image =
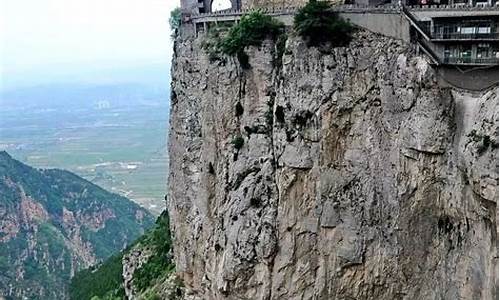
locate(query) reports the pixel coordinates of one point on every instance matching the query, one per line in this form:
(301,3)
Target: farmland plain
(114,136)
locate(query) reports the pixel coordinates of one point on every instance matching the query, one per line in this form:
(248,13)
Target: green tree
(318,24)
(175,21)
(252,29)
(103,282)
(238,142)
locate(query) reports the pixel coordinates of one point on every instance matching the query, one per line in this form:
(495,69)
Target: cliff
(344,173)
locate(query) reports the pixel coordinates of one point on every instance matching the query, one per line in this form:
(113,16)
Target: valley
(113,136)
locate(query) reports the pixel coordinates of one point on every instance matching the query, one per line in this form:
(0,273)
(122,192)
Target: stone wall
(389,24)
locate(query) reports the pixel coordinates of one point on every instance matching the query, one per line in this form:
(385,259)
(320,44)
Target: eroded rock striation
(344,173)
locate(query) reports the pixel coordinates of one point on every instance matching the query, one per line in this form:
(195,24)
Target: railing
(239,12)
(458,6)
(460,36)
(293,9)
(350,8)
(470,60)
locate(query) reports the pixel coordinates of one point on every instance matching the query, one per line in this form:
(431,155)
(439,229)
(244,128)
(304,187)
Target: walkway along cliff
(342,173)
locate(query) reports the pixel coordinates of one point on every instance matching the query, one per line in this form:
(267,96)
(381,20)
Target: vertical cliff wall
(337,174)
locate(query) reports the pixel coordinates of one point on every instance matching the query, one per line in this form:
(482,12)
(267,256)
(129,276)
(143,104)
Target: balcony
(469,61)
(456,36)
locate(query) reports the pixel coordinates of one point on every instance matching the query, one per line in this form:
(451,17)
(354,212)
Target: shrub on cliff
(252,29)
(238,142)
(212,44)
(318,24)
(175,21)
(159,264)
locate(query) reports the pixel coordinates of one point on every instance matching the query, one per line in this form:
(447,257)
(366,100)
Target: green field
(119,147)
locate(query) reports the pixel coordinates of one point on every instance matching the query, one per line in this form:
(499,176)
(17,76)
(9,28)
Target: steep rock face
(132,261)
(358,177)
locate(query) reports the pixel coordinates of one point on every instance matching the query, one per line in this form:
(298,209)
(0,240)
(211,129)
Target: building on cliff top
(460,37)
(455,32)
(207,6)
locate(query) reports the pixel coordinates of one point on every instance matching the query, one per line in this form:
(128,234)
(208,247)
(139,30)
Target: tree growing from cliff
(252,29)
(175,21)
(318,24)
(238,142)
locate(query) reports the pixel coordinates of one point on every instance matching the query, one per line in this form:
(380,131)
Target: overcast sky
(65,38)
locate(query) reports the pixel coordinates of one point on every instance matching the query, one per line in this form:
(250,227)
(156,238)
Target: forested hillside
(54,223)
(142,271)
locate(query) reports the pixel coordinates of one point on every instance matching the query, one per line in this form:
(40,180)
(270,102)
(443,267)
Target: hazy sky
(60,39)
(221,4)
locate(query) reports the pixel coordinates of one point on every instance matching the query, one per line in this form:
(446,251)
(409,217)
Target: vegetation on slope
(238,142)
(106,283)
(54,222)
(159,263)
(212,44)
(102,282)
(318,24)
(252,29)
(175,21)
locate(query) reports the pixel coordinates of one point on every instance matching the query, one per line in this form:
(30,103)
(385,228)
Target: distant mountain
(54,223)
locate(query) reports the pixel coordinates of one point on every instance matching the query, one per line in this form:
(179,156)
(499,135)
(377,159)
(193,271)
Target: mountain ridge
(54,223)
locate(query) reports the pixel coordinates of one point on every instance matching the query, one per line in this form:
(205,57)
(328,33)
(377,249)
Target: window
(467,30)
(483,30)
(450,52)
(483,51)
(466,54)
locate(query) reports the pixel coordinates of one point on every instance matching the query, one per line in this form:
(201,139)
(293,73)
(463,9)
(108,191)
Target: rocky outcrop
(147,268)
(132,261)
(345,173)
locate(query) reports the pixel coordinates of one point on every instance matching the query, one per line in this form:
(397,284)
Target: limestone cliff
(343,173)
